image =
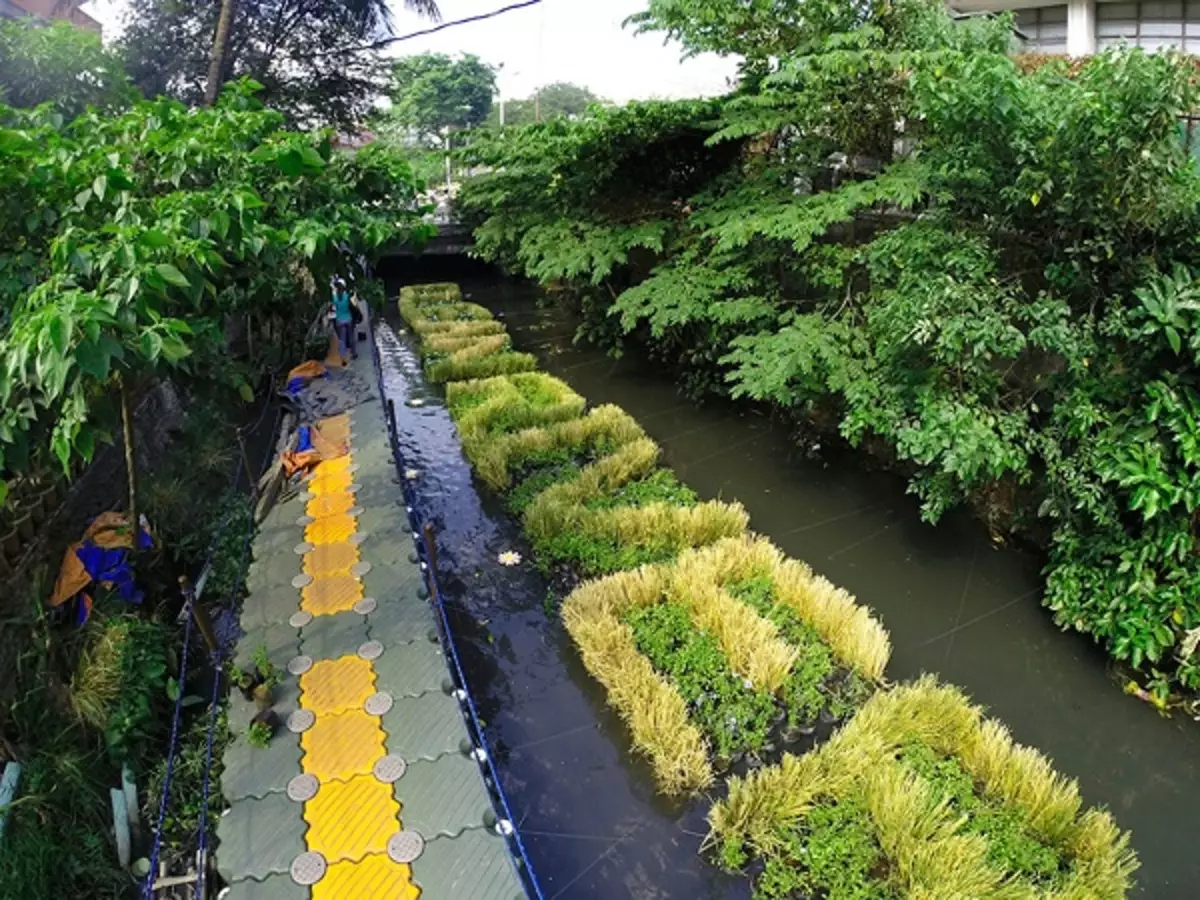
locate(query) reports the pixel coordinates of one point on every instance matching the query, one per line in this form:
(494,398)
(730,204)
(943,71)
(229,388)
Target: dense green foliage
(733,715)
(841,855)
(897,235)
(433,93)
(816,681)
(1013,846)
(558,100)
(59,63)
(126,243)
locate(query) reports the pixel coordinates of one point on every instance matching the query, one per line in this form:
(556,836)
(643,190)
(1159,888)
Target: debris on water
(509,558)
(412,474)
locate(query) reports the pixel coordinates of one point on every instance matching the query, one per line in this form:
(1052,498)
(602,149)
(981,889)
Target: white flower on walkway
(509,558)
(412,474)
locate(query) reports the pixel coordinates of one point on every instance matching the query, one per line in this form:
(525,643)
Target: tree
(432,93)
(561,99)
(59,63)
(302,52)
(139,235)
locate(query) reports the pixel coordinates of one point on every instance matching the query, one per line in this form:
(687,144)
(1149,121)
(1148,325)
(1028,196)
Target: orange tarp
(328,442)
(110,530)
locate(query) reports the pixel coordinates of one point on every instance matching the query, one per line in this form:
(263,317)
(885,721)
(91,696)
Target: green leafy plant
(268,672)
(258,735)
(735,717)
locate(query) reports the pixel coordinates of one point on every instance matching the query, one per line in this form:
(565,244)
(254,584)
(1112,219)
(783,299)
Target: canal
(954,604)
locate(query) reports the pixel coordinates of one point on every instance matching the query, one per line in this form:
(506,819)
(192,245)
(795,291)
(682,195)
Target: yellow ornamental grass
(509,403)
(921,836)
(440,292)
(604,423)
(750,643)
(653,710)
(850,630)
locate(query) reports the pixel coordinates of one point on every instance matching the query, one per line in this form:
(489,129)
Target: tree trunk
(130,460)
(220,50)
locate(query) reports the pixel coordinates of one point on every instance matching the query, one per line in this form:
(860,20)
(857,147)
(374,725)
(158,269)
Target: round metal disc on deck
(303,788)
(305,521)
(390,769)
(371,650)
(302,581)
(300,619)
(378,704)
(359,569)
(305,496)
(308,868)
(366,606)
(357,538)
(405,847)
(298,665)
(302,548)
(355,511)
(301,720)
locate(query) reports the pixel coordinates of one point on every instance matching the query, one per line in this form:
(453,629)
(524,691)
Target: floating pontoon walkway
(369,789)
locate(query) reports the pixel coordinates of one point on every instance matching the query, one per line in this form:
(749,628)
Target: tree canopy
(983,270)
(60,63)
(432,92)
(295,48)
(126,241)
(561,99)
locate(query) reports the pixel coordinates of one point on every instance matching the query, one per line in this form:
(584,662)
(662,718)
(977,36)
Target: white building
(1080,27)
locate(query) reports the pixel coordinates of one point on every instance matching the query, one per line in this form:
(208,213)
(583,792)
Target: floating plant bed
(722,655)
(919,795)
(703,678)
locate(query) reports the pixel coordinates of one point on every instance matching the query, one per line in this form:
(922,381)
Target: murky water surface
(954,606)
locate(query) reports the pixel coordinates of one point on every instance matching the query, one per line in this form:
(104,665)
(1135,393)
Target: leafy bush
(983,272)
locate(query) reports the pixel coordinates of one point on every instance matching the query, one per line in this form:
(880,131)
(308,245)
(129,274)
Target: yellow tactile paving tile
(334,466)
(337,685)
(329,595)
(339,747)
(331,559)
(372,878)
(329,504)
(337,483)
(352,819)
(330,530)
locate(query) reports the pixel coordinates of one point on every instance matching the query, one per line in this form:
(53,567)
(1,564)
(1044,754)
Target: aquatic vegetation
(460,340)
(719,652)
(955,806)
(714,647)
(509,558)
(489,406)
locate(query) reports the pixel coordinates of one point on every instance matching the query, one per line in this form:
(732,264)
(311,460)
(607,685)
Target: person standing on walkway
(343,320)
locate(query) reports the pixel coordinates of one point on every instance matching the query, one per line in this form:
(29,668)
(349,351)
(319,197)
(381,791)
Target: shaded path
(369,790)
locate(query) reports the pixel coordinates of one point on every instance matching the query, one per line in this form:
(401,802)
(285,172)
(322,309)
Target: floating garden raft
(722,655)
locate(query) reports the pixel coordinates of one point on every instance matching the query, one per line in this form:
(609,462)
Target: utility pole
(220,51)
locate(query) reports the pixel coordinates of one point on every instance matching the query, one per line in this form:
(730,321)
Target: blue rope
(202,865)
(436,597)
(148,885)
(147,890)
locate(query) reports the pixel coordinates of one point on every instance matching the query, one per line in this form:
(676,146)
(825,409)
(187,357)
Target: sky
(580,41)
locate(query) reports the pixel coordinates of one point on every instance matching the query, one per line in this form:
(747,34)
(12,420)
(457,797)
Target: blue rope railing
(217,661)
(525,867)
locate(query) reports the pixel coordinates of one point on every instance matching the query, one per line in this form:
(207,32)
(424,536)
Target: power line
(387,42)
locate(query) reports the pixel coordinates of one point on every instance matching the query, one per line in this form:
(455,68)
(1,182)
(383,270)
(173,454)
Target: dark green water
(954,604)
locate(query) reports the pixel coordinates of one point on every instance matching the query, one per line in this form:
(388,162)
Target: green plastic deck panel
(441,795)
